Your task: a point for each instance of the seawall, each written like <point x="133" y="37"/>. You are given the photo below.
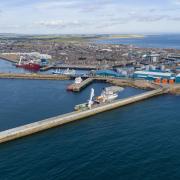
<point x="33" y="76"/>
<point x="35" y="127"/>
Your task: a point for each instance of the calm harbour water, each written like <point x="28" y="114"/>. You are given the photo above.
<point x="8" y="67"/>
<point x="139" y="141"/>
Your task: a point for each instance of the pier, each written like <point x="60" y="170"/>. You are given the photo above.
<point x="78" y="87"/>
<point x="35" y="127"/>
<point x="33" y="76"/>
<point x="66" y="66"/>
<point x="10" y="58"/>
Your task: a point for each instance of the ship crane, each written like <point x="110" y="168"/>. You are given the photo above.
<point x="90" y="102"/>
<point x="20" y="60"/>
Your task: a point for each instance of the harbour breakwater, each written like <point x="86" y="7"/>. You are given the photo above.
<point x="11" y="58"/>
<point x="33" y="76"/>
<point x="66" y="66"/>
<point x="32" y="128"/>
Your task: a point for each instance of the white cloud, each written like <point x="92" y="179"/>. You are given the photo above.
<point x="54" y="4"/>
<point x="90" y="16"/>
<point x="57" y="23"/>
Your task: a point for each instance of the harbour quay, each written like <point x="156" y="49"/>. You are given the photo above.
<point x="66" y="66"/>
<point x="78" y="87"/>
<point x="33" y="76"/>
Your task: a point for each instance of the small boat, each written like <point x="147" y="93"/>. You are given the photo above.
<point x="78" y="80"/>
<point x="57" y="71"/>
<point x="109" y="94"/>
<point x="69" y="72"/>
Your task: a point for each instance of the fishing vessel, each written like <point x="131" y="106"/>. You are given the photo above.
<point x="57" y="71"/>
<point x="69" y="72"/>
<point x="109" y="94"/>
<point x="29" y="65"/>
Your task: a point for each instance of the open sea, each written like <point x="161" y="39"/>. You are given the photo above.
<point x="149" y="41"/>
<point x="140" y="141"/>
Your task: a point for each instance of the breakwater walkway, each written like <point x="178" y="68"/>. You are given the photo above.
<point x="66" y="66"/>
<point x="35" y="127"/>
<point x="10" y="58"/>
<point x="77" y="87"/>
<point x="33" y="76"/>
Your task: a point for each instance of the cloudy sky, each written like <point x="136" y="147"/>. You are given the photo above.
<point x="89" y="16"/>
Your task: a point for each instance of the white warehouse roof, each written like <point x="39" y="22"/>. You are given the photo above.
<point x="178" y="75"/>
<point x="153" y="73"/>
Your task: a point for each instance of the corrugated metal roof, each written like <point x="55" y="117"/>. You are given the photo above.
<point x="178" y="76"/>
<point x="107" y="72"/>
<point x="153" y="73"/>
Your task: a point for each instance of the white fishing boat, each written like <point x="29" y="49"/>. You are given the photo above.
<point x="69" y="72"/>
<point x="57" y="71"/>
<point x="78" y="80"/>
<point x="109" y="94"/>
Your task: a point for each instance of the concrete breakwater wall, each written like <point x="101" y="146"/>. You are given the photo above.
<point x="11" y="58"/>
<point x="65" y="66"/>
<point x="77" y="87"/>
<point x="32" y="128"/>
<point x="33" y="76"/>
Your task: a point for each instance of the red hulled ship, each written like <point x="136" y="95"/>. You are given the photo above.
<point x="30" y="65"/>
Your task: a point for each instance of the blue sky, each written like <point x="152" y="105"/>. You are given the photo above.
<point x="89" y="16"/>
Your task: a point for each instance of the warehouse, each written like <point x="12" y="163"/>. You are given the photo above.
<point x="107" y="73"/>
<point x="178" y="78"/>
<point x="150" y="75"/>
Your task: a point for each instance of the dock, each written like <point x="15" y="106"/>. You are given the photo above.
<point x="21" y="131"/>
<point x="80" y="86"/>
<point x="66" y="66"/>
<point x="10" y="58"/>
<point x="33" y="76"/>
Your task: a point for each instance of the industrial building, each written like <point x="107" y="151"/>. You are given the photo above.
<point x="151" y="58"/>
<point x="107" y="73"/>
<point x="150" y="75"/>
<point x="178" y="78"/>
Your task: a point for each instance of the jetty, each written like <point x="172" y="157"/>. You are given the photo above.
<point x="66" y="66"/>
<point x="36" y="127"/>
<point x="33" y="76"/>
<point x="78" y="87"/>
<point x="142" y="84"/>
<point x="10" y="58"/>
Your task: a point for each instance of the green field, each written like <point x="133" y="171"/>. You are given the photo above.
<point x="66" y="38"/>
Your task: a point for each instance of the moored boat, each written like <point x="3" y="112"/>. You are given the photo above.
<point x="29" y="65"/>
<point x="57" y="71"/>
<point x="69" y="72"/>
<point x="109" y="94"/>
